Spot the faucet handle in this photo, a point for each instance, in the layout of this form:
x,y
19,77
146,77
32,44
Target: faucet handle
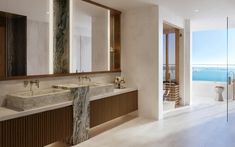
x,y
38,83
89,79
26,83
79,79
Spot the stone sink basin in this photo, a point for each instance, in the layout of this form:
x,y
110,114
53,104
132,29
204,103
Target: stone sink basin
x,y
100,89
95,88
27,100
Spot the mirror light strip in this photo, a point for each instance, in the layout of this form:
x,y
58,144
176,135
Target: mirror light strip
x,y
51,41
109,45
71,2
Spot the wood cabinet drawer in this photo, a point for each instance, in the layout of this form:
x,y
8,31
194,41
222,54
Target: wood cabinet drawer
x,y
109,108
37,130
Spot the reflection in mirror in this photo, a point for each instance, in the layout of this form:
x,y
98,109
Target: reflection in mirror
x,y
115,40
47,37
15,37
90,38
25,28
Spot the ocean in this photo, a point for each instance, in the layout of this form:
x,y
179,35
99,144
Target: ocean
x,y
216,74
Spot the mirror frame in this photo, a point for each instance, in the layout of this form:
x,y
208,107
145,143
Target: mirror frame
x,y
117,45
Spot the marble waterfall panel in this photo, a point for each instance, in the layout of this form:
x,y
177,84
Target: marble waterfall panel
x,y
61,36
81,115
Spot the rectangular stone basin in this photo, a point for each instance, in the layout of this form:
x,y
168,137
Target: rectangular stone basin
x,y
28,100
100,89
95,88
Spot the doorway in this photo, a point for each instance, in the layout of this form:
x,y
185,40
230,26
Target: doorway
x,y
171,67
214,67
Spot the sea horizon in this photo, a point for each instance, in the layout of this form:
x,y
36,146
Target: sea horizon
x,y
213,65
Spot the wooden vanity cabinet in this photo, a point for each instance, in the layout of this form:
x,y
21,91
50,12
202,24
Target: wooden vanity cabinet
x,y
106,109
44,128
37,130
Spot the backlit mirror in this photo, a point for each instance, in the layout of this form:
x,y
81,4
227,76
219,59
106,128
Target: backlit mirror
x,y
49,37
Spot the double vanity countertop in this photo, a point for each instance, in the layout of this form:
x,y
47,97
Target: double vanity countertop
x,y
7,114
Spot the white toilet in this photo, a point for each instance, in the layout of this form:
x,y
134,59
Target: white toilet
x,y
219,91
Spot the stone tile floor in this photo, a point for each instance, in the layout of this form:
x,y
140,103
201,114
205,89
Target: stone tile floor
x,y
198,126
201,125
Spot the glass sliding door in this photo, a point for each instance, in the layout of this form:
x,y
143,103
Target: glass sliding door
x,y
230,65
209,64
213,58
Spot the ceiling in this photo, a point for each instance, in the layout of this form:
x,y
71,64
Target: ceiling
x,y
210,12
184,8
199,11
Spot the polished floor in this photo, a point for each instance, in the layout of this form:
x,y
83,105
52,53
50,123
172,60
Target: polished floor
x,y
201,125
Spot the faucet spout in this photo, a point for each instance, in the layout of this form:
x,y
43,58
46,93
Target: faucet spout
x,y
36,82
31,83
84,79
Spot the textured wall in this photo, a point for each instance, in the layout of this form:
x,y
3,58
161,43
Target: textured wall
x,y
140,57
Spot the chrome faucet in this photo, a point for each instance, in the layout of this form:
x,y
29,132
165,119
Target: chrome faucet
x,y
36,82
87,78
26,83
83,78
31,83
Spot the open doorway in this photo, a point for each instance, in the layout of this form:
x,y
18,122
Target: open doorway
x,y
171,67
212,66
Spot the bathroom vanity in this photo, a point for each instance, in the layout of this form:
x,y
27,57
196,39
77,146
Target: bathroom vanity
x,y
37,129
45,125
63,41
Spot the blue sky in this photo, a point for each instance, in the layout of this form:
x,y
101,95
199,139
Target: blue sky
x,y
209,47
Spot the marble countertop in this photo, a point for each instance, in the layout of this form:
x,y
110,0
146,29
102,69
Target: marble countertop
x,y
7,114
